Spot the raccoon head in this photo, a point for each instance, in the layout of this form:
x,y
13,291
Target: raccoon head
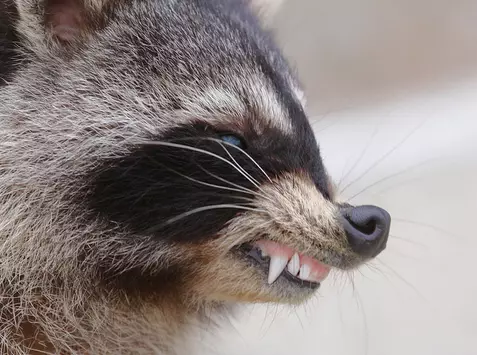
x,y
161,148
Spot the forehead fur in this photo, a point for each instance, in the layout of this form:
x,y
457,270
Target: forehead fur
x,y
227,68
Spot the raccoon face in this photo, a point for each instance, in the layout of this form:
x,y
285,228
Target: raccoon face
x,y
175,137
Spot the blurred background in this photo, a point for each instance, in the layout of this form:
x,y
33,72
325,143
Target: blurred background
x,y
392,89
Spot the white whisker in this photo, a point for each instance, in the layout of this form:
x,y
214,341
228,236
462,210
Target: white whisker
x,y
250,233
361,156
389,177
406,240
220,187
262,195
238,165
198,150
246,154
427,225
380,160
211,207
395,273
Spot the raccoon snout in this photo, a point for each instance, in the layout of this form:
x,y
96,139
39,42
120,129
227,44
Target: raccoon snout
x,y
367,229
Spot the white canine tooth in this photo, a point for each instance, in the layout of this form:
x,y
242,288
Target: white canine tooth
x,y
304,272
294,265
263,253
277,265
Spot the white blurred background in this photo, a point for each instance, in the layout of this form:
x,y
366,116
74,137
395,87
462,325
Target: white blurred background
x,y
392,94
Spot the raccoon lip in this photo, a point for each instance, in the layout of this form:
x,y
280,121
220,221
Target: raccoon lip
x,y
284,261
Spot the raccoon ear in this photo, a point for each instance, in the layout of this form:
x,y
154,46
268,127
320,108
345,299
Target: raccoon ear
x,y
64,21
266,9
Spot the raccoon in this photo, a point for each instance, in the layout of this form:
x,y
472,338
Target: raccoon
x,y
157,168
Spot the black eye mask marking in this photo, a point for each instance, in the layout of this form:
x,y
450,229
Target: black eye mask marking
x,y
186,185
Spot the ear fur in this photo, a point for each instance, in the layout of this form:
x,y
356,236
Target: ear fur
x,y
266,9
66,22
60,21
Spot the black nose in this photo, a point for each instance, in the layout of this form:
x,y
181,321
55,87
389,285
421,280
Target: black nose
x,y
367,229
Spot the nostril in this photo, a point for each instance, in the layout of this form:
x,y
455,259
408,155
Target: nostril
x,y
367,229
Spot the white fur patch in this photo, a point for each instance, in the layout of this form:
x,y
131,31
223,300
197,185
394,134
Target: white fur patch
x,y
268,106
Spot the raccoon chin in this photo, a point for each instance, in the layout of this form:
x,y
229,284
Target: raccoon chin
x,y
259,271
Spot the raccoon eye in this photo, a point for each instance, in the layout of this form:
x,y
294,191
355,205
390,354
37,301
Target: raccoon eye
x,y
233,139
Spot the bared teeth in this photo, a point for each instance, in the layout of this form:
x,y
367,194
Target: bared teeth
x,y
300,266
304,272
277,265
294,265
